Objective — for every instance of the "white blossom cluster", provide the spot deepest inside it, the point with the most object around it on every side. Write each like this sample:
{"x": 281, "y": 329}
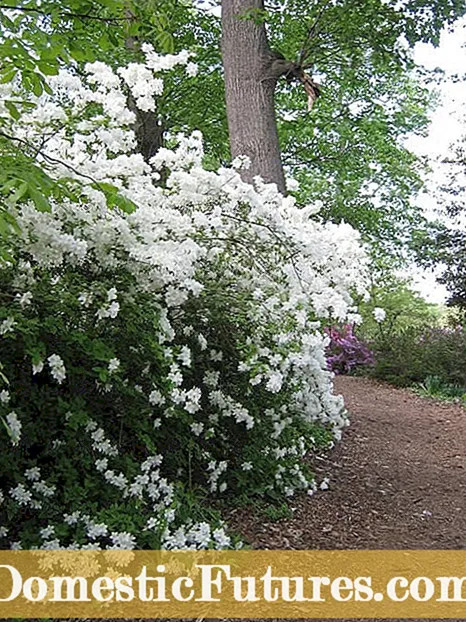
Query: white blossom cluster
{"x": 379, "y": 314}
{"x": 198, "y": 238}
{"x": 34, "y": 491}
{"x": 13, "y": 425}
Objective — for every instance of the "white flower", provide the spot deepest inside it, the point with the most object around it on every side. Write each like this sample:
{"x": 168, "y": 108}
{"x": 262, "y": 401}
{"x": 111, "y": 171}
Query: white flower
{"x": 51, "y": 545}
{"x": 211, "y": 378}
{"x": 110, "y": 311}
{"x": 112, "y": 294}
{"x": 57, "y": 367}
{"x": 241, "y": 162}
{"x": 122, "y": 540}
{"x": 102, "y": 444}
{"x": 72, "y": 519}
{"x": 185, "y": 356}
{"x": 21, "y": 495}
{"x": 47, "y": 532}
{"x": 156, "y": 398}
{"x": 7, "y": 325}
{"x": 324, "y": 484}
{"x": 37, "y": 367}
{"x": 246, "y": 466}
{"x": 275, "y": 381}
{"x": 24, "y": 299}
{"x": 101, "y": 464}
{"x": 44, "y": 489}
{"x": 379, "y": 314}
{"x": 14, "y": 428}
{"x": 202, "y": 341}
{"x": 196, "y": 428}
{"x": 4, "y": 396}
{"x": 193, "y": 397}
{"x": 192, "y": 69}
{"x": 292, "y": 185}
{"x": 222, "y": 540}
{"x": 152, "y": 523}
{"x": 119, "y": 481}
{"x": 113, "y": 365}
{"x": 85, "y": 298}
{"x": 3, "y": 532}
{"x": 32, "y": 474}
{"x": 95, "y": 530}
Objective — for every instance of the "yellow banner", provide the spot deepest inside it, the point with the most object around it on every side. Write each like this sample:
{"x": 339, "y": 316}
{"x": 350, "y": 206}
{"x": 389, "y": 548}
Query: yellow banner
{"x": 233, "y": 584}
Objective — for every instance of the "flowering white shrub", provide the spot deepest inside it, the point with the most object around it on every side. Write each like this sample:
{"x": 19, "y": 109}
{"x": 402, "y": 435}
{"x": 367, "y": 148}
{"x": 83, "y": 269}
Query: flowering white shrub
{"x": 163, "y": 350}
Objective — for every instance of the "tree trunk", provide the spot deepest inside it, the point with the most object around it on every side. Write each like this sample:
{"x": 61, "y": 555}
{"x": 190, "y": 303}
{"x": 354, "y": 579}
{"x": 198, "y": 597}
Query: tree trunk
{"x": 149, "y": 132}
{"x": 251, "y": 73}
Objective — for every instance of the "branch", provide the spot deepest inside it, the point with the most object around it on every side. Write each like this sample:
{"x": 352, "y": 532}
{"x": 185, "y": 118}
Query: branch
{"x": 65, "y": 14}
{"x": 310, "y": 34}
{"x": 50, "y": 159}
{"x": 279, "y": 66}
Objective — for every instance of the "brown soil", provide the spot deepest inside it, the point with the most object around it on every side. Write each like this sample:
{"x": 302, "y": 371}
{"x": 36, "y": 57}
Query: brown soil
{"x": 397, "y": 481}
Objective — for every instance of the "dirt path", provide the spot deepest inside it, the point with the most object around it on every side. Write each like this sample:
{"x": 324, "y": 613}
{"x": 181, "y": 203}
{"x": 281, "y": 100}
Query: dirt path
{"x": 398, "y": 480}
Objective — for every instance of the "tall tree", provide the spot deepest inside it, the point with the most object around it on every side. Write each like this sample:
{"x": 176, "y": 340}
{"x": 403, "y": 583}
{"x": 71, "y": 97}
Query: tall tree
{"x": 445, "y": 248}
{"x": 347, "y": 152}
{"x": 350, "y": 43}
{"x": 251, "y": 73}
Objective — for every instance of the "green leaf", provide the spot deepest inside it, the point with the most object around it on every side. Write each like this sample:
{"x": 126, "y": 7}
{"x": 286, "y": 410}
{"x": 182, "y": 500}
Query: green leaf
{"x": 40, "y": 201}
{"x": 125, "y": 204}
{"x": 47, "y": 68}
{"x": 20, "y": 192}
{"x": 12, "y": 109}
{"x": 37, "y": 84}
{"x": 166, "y": 42}
{"x": 8, "y": 75}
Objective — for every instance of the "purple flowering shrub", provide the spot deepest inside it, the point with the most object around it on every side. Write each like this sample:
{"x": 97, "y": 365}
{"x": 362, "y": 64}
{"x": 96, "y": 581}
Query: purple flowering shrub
{"x": 346, "y": 351}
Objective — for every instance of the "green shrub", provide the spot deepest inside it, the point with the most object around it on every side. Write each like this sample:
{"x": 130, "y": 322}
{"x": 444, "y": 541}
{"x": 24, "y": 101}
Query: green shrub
{"x": 166, "y": 353}
{"x": 417, "y": 353}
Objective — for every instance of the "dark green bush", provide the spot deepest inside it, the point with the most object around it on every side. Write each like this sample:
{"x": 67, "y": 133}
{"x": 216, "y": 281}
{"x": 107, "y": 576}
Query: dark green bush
{"x": 416, "y": 353}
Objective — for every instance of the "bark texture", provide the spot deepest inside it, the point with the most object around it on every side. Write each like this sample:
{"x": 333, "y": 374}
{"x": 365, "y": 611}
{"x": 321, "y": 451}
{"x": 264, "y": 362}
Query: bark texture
{"x": 149, "y": 132}
{"x": 251, "y": 73}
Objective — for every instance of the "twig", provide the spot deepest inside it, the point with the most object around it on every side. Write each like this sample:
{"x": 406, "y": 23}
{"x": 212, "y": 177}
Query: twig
{"x": 310, "y": 34}
{"x": 50, "y": 158}
{"x": 64, "y": 14}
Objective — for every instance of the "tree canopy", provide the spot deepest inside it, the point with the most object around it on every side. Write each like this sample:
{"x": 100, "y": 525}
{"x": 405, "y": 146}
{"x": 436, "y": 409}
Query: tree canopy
{"x": 347, "y": 152}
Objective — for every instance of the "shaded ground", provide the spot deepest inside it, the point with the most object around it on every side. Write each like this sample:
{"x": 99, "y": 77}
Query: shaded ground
{"x": 397, "y": 481}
